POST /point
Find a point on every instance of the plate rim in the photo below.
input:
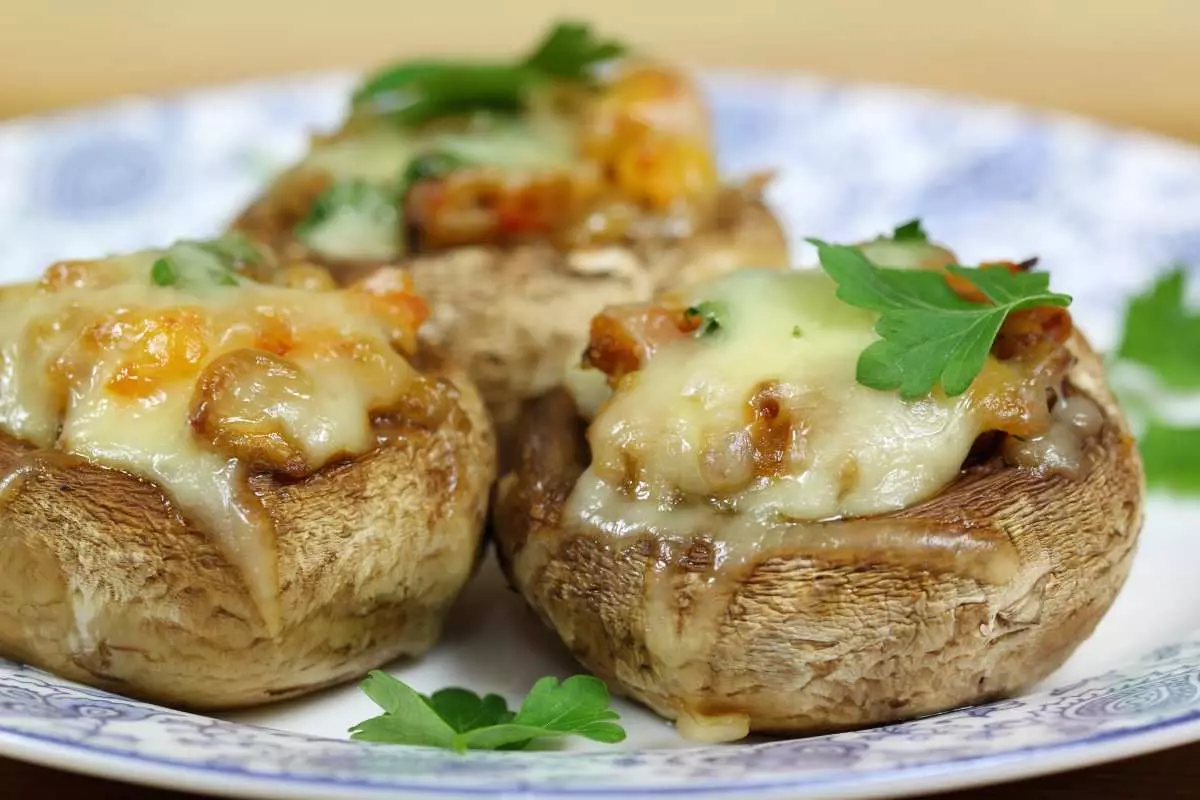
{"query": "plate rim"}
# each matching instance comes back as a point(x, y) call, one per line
point(962, 773)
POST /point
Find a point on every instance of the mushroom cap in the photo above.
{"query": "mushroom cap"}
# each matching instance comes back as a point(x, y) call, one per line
point(971, 595)
point(103, 581)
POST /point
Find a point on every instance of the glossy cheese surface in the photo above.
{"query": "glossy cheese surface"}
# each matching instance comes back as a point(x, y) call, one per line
point(627, 156)
point(378, 153)
point(764, 417)
point(189, 386)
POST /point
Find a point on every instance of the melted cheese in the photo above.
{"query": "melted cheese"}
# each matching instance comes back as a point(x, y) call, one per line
point(673, 464)
point(371, 233)
point(1060, 449)
point(380, 152)
point(111, 374)
point(677, 431)
point(377, 154)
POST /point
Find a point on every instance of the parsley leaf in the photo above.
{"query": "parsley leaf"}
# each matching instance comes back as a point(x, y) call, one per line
point(163, 273)
point(234, 249)
point(571, 51)
point(1156, 376)
point(369, 200)
point(415, 92)
point(458, 719)
point(711, 314)
point(1171, 456)
point(930, 335)
point(203, 264)
point(464, 710)
point(408, 717)
point(435, 164)
point(1162, 334)
point(910, 231)
point(577, 707)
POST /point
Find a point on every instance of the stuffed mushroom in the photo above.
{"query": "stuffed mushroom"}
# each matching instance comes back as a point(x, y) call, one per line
point(522, 197)
point(759, 519)
point(218, 492)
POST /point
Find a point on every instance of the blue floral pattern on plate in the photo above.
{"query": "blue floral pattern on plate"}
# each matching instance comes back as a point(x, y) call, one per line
point(1101, 206)
point(1158, 693)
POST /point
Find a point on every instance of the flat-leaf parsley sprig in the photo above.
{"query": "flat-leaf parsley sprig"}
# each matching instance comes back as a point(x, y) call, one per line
point(460, 720)
point(414, 92)
point(930, 335)
point(1161, 336)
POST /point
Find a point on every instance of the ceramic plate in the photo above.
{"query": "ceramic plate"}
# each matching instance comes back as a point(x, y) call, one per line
point(1103, 209)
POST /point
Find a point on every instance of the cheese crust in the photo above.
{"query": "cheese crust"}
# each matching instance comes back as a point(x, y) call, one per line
point(219, 492)
point(720, 564)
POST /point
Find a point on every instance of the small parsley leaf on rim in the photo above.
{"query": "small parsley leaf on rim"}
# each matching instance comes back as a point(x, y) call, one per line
point(910, 231)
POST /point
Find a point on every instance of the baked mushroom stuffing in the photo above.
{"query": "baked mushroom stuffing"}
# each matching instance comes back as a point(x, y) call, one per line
point(220, 492)
point(577, 143)
point(797, 501)
point(521, 195)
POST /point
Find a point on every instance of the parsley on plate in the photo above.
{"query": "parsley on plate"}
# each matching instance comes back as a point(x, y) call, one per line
point(1157, 374)
point(460, 720)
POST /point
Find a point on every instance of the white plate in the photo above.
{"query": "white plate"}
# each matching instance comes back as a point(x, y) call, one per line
point(1103, 209)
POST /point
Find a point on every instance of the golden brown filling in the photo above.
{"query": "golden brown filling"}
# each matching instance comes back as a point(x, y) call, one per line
point(626, 157)
point(644, 166)
point(172, 366)
point(742, 395)
point(1030, 357)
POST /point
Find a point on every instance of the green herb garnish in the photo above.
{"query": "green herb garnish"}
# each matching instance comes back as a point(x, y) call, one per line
point(910, 231)
point(202, 264)
point(1171, 456)
point(1162, 337)
point(357, 196)
point(930, 335)
point(428, 166)
point(1163, 334)
point(163, 273)
point(572, 52)
point(415, 92)
point(234, 249)
point(711, 315)
point(460, 720)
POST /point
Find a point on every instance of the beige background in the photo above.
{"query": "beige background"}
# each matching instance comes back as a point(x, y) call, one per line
point(1131, 61)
